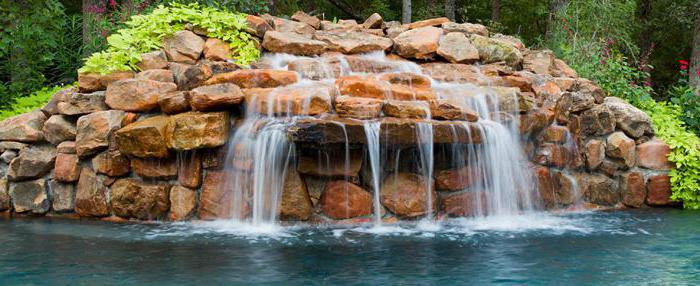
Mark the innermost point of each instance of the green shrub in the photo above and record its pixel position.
(145, 33)
(29, 103)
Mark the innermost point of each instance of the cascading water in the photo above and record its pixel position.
(373, 149)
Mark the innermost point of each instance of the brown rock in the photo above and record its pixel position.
(59, 128)
(455, 179)
(196, 130)
(622, 147)
(257, 26)
(189, 169)
(67, 168)
(30, 196)
(331, 163)
(659, 190)
(216, 201)
(598, 120)
(91, 82)
(217, 50)
(153, 60)
(539, 62)
(374, 21)
(63, 196)
(460, 73)
(358, 107)
(91, 197)
(144, 139)
(352, 42)
(295, 202)
(82, 103)
(465, 204)
(51, 107)
(572, 102)
(288, 26)
(600, 189)
(552, 155)
(190, 76)
(546, 186)
(595, 153)
(429, 22)
(420, 43)
(316, 68)
(465, 28)
(343, 200)
(136, 95)
(111, 163)
(633, 189)
(654, 155)
(183, 202)
(493, 50)
(406, 109)
(255, 78)
(292, 43)
(445, 109)
(134, 198)
(561, 69)
(24, 128)
(4, 196)
(634, 122)
(556, 134)
(456, 48)
(66, 147)
(406, 195)
(312, 21)
(183, 47)
(174, 102)
(163, 169)
(305, 100)
(161, 75)
(215, 97)
(33, 162)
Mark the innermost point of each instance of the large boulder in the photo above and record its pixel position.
(292, 43)
(654, 155)
(493, 50)
(217, 50)
(59, 128)
(183, 202)
(67, 168)
(144, 139)
(33, 162)
(95, 130)
(633, 189)
(62, 196)
(351, 42)
(111, 163)
(619, 146)
(82, 103)
(216, 200)
(406, 195)
(594, 150)
(599, 189)
(183, 47)
(30, 196)
(343, 200)
(659, 190)
(598, 120)
(634, 122)
(420, 43)
(91, 195)
(257, 26)
(215, 97)
(196, 130)
(295, 203)
(24, 128)
(456, 48)
(133, 198)
(255, 78)
(136, 94)
(153, 60)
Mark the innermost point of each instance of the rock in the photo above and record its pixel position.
(91, 195)
(82, 103)
(59, 128)
(460, 73)
(190, 76)
(153, 60)
(365, 86)
(92, 82)
(174, 102)
(292, 43)
(284, 25)
(300, 100)
(162, 169)
(63, 196)
(444, 109)
(633, 189)
(588, 87)
(561, 69)
(654, 155)
(552, 155)
(394, 29)
(572, 102)
(189, 169)
(343, 200)
(622, 147)
(67, 147)
(600, 189)
(257, 26)
(548, 93)
(134, 198)
(465, 28)
(351, 42)
(30, 196)
(215, 97)
(428, 23)
(263, 78)
(216, 201)
(420, 43)
(183, 202)
(217, 50)
(67, 168)
(634, 122)
(659, 190)
(219, 67)
(455, 179)
(196, 130)
(539, 62)
(406, 109)
(33, 162)
(465, 204)
(111, 163)
(358, 107)
(556, 134)
(598, 120)
(492, 50)
(595, 153)
(95, 130)
(406, 195)
(295, 202)
(312, 21)
(4, 196)
(161, 75)
(374, 21)
(317, 68)
(144, 139)
(24, 128)
(331, 163)
(8, 156)
(456, 48)
(183, 47)
(136, 95)
(546, 187)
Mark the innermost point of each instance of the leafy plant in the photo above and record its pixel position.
(145, 33)
(29, 103)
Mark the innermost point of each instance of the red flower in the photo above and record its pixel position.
(683, 62)
(697, 72)
(684, 68)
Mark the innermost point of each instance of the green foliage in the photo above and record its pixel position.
(29, 103)
(145, 33)
(245, 6)
(683, 95)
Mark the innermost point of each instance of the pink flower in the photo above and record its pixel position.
(113, 3)
(683, 62)
(684, 68)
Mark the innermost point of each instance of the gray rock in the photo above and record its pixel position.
(33, 162)
(30, 196)
(63, 196)
(59, 128)
(634, 122)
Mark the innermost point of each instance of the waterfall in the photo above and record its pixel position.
(372, 133)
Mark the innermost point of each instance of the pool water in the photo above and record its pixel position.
(642, 247)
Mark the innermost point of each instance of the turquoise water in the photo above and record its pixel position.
(646, 247)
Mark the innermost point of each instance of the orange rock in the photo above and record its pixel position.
(429, 22)
(455, 179)
(343, 200)
(305, 100)
(255, 78)
(406, 195)
(67, 168)
(358, 107)
(216, 50)
(420, 43)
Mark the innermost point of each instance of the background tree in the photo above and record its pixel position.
(695, 57)
(450, 9)
(406, 11)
